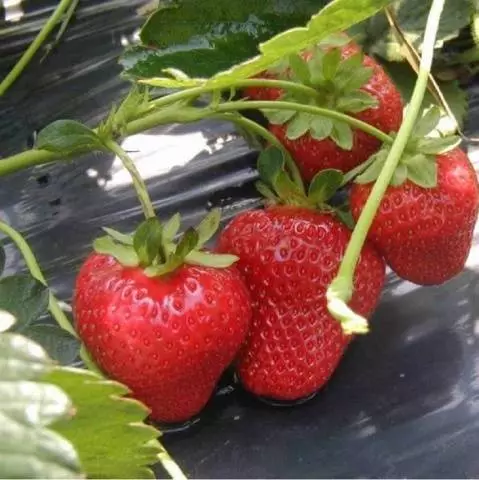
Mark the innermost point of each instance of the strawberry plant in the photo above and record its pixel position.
(158, 316)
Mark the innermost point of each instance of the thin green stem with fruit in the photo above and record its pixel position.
(341, 289)
(138, 182)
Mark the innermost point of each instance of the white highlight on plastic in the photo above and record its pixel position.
(13, 10)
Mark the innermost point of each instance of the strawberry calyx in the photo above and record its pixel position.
(153, 248)
(278, 188)
(418, 163)
(338, 84)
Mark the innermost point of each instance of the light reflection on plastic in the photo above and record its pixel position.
(155, 155)
(13, 10)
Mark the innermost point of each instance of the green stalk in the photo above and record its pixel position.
(269, 137)
(34, 46)
(34, 268)
(138, 183)
(299, 107)
(341, 289)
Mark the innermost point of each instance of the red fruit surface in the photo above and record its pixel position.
(169, 338)
(288, 257)
(424, 234)
(313, 155)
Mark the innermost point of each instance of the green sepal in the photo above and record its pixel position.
(266, 192)
(287, 189)
(321, 128)
(148, 240)
(372, 172)
(206, 259)
(438, 146)
(270, 163)
(118, 236)
(278, 117)
(345, 216)
(187, 243)
(422, 170)
(299, 126)
(355, 80)
(208, 227)
(126, 255)
(171, 228)
(400, 175)
(324, 185)
(356, 102)
(428, 122)
(331, 62)
(299, 69)
(342, 135)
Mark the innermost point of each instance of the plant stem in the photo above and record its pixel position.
(269, 137)
(36, 273)
(138, 183)
(341, 289)
(325, 112)
(34, 46)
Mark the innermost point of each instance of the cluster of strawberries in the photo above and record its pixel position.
(167, 318)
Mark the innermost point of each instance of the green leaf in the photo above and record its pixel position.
(437, 146)
(270, 163)
(211, 259)
(68, 136)
(331, 62)
(300, 68)
(298, 126)
(208, 227)
(321, 128)
(428, 122)
(24, 297)
(411, 16)
(107, 430)
(372, 172)
(189, 35)
(405, 79)
(171, 228)
(342, 134)
(119, 237)
(28, 449)
(400, 175)
(324, 185)
(59, 344)
(278, 117)
(422, 170)
(356, 102)
(147, 241)
(123, 253)
(286, 188)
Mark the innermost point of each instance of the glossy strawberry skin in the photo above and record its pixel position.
(288, 257)
(169, 338)
(425, 235)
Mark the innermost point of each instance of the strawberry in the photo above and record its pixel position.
(347, 81)
(288, 256)
(164, 321)
(425, 222)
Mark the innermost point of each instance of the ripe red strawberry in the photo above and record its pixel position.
(288, 256)
(425, 232)
(346, 81)
(167, 330)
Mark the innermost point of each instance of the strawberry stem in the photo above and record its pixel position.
(270, 138)
(311, 109)
(30, 52)
(32, 264)
(138, 183)
(341, 289)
